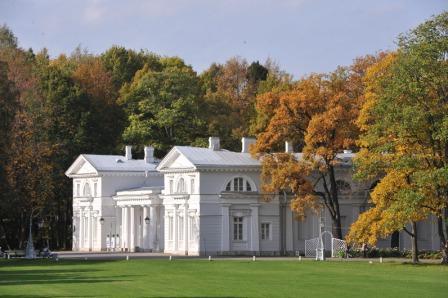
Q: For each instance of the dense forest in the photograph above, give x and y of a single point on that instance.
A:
(53, 109)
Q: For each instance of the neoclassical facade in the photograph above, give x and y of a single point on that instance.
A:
(202, 201)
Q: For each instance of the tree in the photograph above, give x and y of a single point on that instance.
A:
(405, 136)
(317, 114)
(230, 92)
(108, 121)
(123, 63)
(7, 38)
(163, 106)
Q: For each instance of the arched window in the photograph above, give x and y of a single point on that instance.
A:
(343, 187)
(86, 190)
(239, 184)
(181, 186)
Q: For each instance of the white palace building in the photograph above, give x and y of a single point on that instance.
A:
(202, 201)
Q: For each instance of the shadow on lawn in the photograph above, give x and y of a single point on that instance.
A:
(48, 262)
(53, 276)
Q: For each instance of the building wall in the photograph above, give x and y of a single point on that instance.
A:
(205, 196)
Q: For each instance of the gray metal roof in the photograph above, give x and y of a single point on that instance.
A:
(107, 163)
(206, 157)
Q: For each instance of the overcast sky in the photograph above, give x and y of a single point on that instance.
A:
(303, 36)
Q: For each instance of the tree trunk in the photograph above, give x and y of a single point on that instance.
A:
(337, 229)
(414, 243)
(442, 229)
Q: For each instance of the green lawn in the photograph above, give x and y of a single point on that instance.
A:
(222, 278)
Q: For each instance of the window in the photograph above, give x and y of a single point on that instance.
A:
(181, 186)
(78, 189)
(192, 186)
(238, 228)
(343, 187)
(171, 186)
(95, 189)
(86, 191)
(238, 184)
(265, 231)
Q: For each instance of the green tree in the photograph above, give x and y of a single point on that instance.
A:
(163, 106)
(405, 136)
(7, 38)
(123, 63)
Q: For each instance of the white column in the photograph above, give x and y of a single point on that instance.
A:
(132, 229)
(145, 235)
(80, 229)
(159, 228)
(175, 228)
(186, 228)
(254, 239)
(152, 227)
(89, 229)
(115, 230)
(289, 229)
(123, 237)
(225, 236)
(128, 228)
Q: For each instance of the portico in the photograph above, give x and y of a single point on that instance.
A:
(139, 212)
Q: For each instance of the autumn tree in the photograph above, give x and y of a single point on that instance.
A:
(108, 121)
(317, 115)
(405, 137)
(230, 91)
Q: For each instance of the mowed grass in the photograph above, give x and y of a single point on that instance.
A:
(221, 278)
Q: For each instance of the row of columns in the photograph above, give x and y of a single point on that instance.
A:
(149, 239)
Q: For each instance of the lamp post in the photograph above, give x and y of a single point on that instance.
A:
(29, 252)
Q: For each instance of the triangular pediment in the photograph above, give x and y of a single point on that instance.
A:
(81, 166)
(175, 160)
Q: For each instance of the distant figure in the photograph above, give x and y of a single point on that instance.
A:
(46, 253)
(364, 250)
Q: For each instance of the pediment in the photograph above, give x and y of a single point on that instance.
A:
(175, 160)
(81, 166)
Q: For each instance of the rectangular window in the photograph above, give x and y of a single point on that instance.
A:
(192, 186)
(238, 228)
(95, 189)
(238, 184)
(171, 186)
(170, 228)
(265, 231)
(78, 189)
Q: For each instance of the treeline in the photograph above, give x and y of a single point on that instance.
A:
(390, 106)
(52, 110)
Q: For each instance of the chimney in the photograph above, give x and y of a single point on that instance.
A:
(289, 148)
(245, 144)
(128, 152)
(149, 154)
(213, 143)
